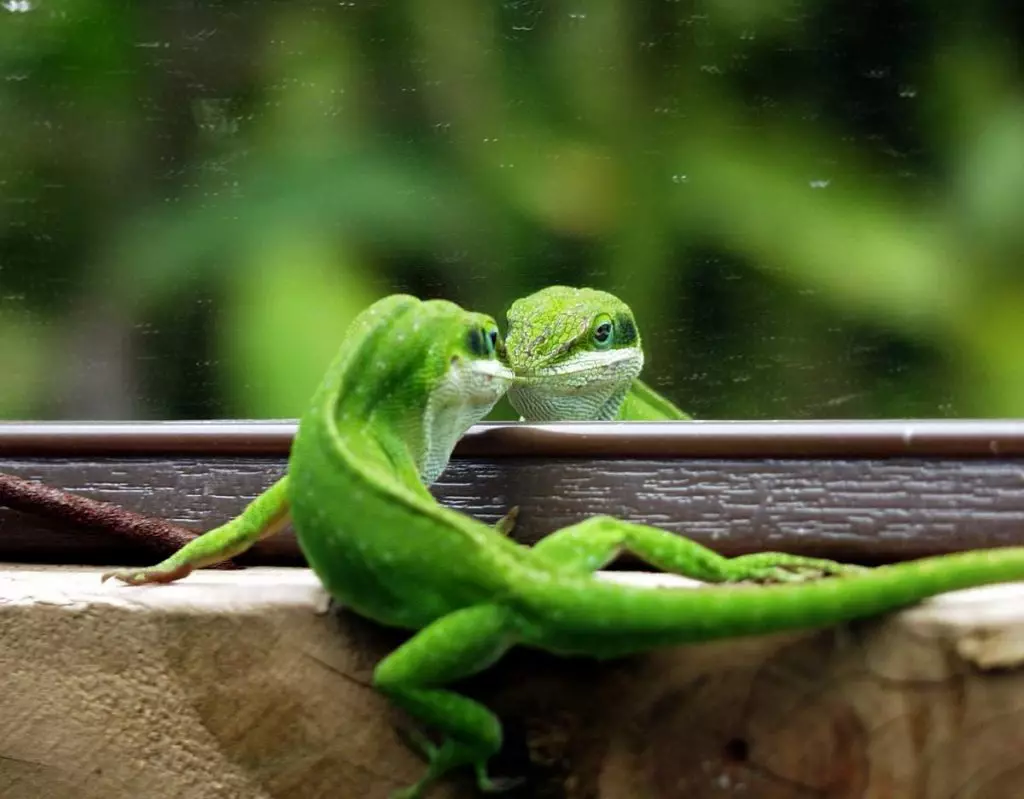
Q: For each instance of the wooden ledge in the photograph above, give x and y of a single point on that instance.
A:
(231, 685)
(866, 492)
(963, 438)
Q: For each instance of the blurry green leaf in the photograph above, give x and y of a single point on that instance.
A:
(289, 307)
(26, 354)
(828, 230)
(991, 179)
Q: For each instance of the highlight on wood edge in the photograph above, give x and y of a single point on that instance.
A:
(712, 439)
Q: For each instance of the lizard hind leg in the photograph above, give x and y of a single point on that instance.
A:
(455, 646)
(586, 547)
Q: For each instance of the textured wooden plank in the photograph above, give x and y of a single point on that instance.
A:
(866, 510)
(229, 685)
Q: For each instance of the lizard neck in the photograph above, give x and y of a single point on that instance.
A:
(465, 396)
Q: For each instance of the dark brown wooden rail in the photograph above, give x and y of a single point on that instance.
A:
(853, 439)
(860, 491)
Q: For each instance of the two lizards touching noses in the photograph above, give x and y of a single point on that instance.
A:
(409, 380)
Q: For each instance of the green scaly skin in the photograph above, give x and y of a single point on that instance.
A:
(411, 377)
(577, 355)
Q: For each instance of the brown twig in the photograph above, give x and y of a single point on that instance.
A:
(29, 496)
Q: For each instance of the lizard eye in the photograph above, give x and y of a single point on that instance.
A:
(498, 345)
(483, 342)
(603, 330)
(477, 343)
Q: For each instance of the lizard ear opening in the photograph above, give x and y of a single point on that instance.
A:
(499, 347)
(625, 330)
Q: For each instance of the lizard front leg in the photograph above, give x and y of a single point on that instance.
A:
(591, 544)
(266, 515)
(454, 646)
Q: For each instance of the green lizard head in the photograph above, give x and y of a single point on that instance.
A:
(575, 352)
(469, 377)
(416, 375)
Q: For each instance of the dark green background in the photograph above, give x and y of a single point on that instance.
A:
(816, 209)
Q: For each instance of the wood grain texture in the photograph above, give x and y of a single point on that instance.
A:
(229, 684)
(864, 510)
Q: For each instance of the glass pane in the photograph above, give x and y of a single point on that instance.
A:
(814, 209)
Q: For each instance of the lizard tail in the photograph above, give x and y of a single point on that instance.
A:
(592, 617)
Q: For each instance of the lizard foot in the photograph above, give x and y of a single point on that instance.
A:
(804, 572)
(440, 760)
(143, 576)
(485, 783)
(412, 792)
(417, 740)
(488, 784)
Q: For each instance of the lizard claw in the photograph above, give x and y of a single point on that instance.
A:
(488, 784)
(143, 576)
(802, 573)
(507, 523)
(417, 740)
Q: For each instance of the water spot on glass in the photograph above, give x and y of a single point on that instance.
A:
(819, 184)
(18, 6)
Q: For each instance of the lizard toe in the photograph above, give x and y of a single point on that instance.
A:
(417, 740)
(144, 576)
(488, 784)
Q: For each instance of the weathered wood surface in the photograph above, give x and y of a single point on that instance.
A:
(230, 685)
(866, 510)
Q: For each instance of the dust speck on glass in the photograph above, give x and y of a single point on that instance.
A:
(813, 209)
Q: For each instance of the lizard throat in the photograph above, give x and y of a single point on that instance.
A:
(465, 396)
(591, 366)
(589, 387)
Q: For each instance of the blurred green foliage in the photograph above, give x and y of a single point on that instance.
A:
(816, 209)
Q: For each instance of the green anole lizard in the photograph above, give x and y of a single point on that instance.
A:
(577, 355)
(411, 377)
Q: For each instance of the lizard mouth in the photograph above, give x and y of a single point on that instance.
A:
(493, 370)
(582, 364)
